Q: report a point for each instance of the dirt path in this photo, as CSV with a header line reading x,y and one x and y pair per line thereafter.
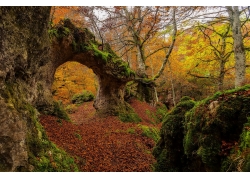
x,y
84,114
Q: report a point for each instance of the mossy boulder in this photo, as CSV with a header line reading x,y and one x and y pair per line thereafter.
x,y
209,135
214,126
169,149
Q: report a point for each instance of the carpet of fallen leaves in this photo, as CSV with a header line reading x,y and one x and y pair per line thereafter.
x,y
103,144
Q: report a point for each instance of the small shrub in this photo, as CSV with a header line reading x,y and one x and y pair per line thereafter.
x,y
71,108
78,136
82,97
131,130
59,111
150,132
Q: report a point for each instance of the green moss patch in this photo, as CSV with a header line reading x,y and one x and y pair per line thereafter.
x,y
45,156
169,150
129,117
82,97
150,132
59,111
213,125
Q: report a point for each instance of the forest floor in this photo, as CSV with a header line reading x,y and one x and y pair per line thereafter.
x,y
105,144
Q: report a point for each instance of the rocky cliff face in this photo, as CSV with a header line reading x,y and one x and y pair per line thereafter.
x,y
23,50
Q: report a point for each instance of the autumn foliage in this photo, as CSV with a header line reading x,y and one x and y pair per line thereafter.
x,y
104,144
72,78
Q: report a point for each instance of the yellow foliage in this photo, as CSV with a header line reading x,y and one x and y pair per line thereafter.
x,y
71,78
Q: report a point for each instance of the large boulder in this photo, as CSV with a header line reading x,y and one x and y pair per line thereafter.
x,y
214,135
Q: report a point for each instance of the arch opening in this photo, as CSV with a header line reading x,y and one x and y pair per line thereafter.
x,y
72,79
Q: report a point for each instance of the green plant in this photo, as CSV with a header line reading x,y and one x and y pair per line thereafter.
x,y
129,117
131,130
150,132
78,136
161,111
71,108
82,97
59,111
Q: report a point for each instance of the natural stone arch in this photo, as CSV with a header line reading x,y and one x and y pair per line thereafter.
x,y
70,42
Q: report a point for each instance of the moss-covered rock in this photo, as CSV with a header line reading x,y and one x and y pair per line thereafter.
x,y
45,156
169,150
213,125
214,134
72,42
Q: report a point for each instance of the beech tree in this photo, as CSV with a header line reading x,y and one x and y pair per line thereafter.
x,y
239,51
130,31
219,41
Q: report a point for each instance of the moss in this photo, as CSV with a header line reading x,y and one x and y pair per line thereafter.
x,y
43,154
14,96
185,98
172,134
98,53
159,115
72,108
150,132
131,130
59,111
84,96
162,158
78,136
239,157
206,128
129,117
58,32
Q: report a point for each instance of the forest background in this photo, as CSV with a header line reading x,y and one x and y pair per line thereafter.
x,y
184,51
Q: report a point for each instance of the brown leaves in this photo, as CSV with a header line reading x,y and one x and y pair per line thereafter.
x,y
102,144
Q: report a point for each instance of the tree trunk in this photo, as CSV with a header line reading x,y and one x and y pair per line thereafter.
x,y
239,52
221,76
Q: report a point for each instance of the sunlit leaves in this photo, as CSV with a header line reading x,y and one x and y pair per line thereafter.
x,y
72,78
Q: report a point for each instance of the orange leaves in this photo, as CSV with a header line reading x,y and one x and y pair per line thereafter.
x,y
105,143
63,12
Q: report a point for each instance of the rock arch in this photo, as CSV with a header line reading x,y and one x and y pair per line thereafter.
x,y
70,42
